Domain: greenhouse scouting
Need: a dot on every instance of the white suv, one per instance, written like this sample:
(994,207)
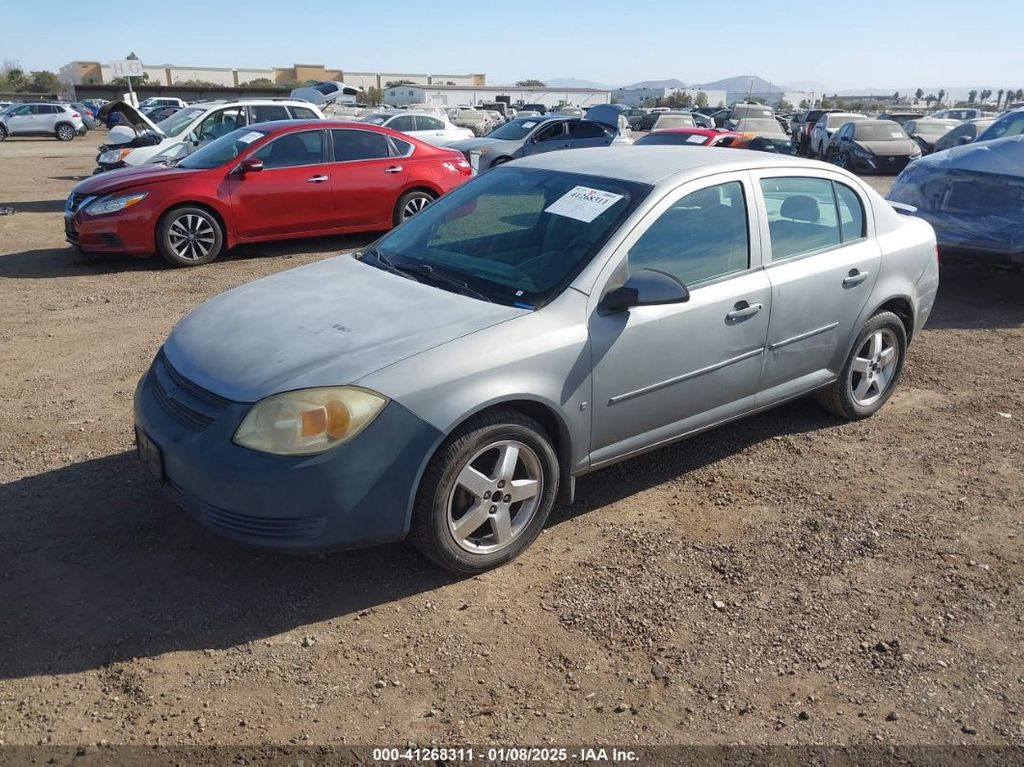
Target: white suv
(61,121)
(195,125)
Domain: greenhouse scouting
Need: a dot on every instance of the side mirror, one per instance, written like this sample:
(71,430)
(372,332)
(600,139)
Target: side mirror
(250,165)
(647,287)
(961,140)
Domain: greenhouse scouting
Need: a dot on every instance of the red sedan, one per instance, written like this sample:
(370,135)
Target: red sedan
(270,181)
(689,137)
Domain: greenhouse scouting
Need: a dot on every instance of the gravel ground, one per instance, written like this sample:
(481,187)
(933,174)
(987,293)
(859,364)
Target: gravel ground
(787,579)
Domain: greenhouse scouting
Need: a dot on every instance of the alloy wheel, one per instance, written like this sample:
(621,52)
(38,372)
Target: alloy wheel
(414,206)
(191,237)
(65,133)
(495,496)
(874,367)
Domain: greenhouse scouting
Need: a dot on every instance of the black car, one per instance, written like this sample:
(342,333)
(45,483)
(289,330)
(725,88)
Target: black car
(873,146)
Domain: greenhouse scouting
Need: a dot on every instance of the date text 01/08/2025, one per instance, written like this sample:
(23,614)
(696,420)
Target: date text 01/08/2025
(501,754)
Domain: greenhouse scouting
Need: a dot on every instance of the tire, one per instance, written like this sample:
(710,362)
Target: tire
(842,161)
(3,133)
(411,203)
(868,378)
(173,240)
(65,132)
(479,453)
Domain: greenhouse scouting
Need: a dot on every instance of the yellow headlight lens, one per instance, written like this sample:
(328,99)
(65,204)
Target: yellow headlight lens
(308,421)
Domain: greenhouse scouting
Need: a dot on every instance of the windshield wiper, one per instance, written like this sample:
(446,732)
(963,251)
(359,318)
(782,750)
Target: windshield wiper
(422,271)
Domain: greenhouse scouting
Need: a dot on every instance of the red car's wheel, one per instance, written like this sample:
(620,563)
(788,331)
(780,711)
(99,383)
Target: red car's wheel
(189,236)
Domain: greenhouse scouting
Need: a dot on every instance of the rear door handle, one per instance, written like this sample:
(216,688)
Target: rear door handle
(393,169)
(855,278)
(317,179)
(742,311)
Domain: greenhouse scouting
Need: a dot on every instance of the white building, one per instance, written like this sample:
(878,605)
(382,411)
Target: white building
(636,97)
(469,95)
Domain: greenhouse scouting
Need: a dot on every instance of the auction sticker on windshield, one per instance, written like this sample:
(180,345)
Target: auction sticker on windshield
(251,136)
(696,139)
(583,203)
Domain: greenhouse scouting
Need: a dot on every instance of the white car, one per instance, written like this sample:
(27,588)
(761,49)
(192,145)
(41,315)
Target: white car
(160,101)
(186,130)
(426,127)
(829,123)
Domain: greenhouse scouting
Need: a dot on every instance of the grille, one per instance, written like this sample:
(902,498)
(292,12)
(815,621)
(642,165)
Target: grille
(189,404)
(70,232)
(76,201)
(246,525)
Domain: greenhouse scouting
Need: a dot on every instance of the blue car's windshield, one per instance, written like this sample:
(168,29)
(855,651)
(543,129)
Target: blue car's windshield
(517,236)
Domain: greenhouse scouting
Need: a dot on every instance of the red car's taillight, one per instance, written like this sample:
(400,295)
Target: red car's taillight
(460,166)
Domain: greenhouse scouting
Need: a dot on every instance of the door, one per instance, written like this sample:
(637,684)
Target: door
(367,176)
(402,124)
(20,120)
(590,134)
(662,371)
(429,129)
(822,265)
(549,137)
(291,195)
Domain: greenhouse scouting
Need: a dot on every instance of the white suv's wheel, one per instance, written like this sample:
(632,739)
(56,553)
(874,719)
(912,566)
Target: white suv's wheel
(65,132)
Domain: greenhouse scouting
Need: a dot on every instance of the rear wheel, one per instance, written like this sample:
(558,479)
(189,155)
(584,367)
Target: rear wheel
(189,236)
(872,370)
(411,203)
(65,132)
(3,133)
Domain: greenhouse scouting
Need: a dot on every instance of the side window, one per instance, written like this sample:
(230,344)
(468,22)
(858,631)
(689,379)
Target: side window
(221,123)
(292,150)
(851,213)
(265,114)
(587,129)
(20,111)
(801,215)
(428,123)
(402,123)
(352,145)
(701,237)
(551,132)
(301,113)
(399,148)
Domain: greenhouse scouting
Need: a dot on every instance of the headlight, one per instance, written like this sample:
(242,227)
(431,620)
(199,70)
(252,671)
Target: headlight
(114,204)
(114,155)
(308,421)
(915,153)
(864,153)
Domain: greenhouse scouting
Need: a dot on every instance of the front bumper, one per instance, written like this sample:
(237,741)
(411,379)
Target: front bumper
(357,494)
(884,164)
(131,232)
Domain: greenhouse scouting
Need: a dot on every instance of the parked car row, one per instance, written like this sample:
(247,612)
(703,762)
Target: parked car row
(45,118)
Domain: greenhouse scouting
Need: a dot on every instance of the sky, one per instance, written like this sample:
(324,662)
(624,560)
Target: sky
(842,45)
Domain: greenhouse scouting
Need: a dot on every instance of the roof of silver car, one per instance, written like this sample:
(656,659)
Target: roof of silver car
(653,164)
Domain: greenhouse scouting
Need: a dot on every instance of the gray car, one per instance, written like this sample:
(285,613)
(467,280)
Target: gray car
(527,136)
(61,121)
(450,382)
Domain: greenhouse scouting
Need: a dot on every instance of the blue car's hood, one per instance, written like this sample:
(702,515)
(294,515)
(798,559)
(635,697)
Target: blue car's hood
(329,323)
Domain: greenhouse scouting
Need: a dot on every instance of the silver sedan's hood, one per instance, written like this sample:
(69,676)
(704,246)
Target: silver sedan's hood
(329,323)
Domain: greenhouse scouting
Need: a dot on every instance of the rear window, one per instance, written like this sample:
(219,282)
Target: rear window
(301,113)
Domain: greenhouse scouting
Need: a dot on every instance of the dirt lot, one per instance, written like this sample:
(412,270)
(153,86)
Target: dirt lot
(787,579)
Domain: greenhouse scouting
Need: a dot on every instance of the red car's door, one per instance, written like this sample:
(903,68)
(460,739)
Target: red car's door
(291,195)
(367,176)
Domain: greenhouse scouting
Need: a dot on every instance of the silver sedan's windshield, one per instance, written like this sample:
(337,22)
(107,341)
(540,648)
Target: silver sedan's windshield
(516,236)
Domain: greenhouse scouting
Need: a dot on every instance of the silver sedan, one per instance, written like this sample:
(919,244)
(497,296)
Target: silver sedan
(450,382)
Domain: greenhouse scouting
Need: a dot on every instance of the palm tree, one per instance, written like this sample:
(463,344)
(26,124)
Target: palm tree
(918,95)
(942,94)
(971,96)
(985,94)
(1019,95)
(999,98)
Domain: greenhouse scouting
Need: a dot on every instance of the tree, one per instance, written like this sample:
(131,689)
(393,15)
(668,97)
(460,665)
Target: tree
(373,95)
(929,99)
(679,99)
(999,98)
(942,95)
(13,76)
(701,101)
(918,95)
(971,96)
(196,84)
(530,84)
(805,104)
(783,106)
(259,82)
(396,83)
(984,95)
(122,82)
(44,82)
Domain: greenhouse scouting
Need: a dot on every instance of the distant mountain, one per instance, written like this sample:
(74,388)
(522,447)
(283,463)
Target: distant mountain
(672,84)
(742,84)
(572,82)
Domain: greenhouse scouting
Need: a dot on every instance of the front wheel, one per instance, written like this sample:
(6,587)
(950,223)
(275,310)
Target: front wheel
(189,237)
(410,204)
(486,494)
(841,159)
(65,132)
(872,370)
(3,133)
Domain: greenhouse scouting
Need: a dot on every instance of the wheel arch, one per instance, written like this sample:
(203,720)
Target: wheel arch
(903,308)
(214,210)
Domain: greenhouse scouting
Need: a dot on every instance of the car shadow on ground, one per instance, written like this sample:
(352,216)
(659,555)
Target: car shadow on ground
(47,263)
(35,206)
(974,296)
(97,566)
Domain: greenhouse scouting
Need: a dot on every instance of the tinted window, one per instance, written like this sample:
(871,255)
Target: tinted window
(359,145)
(428,123)
(551,132)
(589,130)
(399,148)
(801,215)
(301,113)
(701,237)
(851,213)
(292,150)
(262,114)
(221,123)
(402,123)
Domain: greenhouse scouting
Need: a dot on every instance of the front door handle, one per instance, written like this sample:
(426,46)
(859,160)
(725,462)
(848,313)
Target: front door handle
(742,311)
(317,179)
(393,169)
(855,278)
